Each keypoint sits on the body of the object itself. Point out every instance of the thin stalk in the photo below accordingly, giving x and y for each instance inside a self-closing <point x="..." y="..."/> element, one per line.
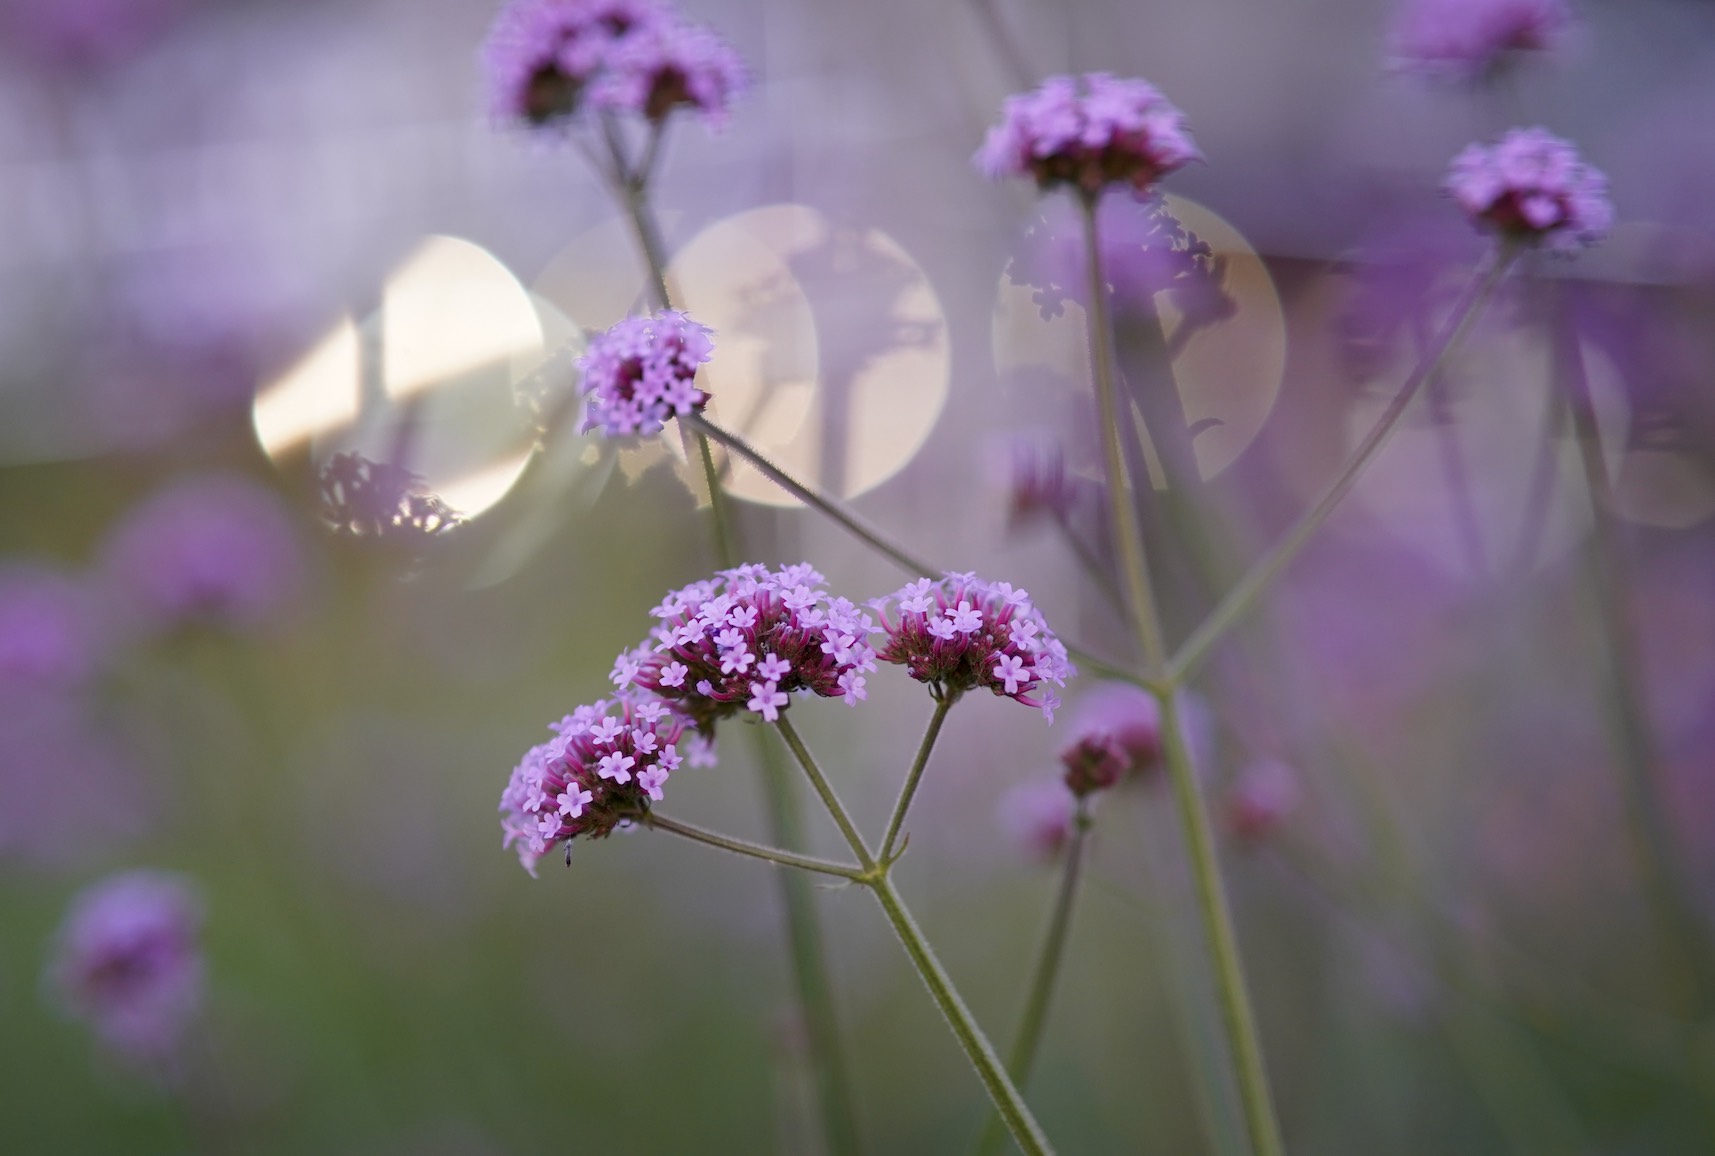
<point x="1243" y="596"/>
<point x="1026" y="1132"/>
<point x="821" y="503"/>
<point x="909" y="790"/>
<point x="1128" y="541"/>
<point x="1544" y="471"/>
<point x="660" y="822"/>
<point x="1045" y="972"/>
<point x="1237" y="1018"/>
<point x="1465" y="520"/>
<point x="809" y="959"/>
<point x="836" y="809"/>
<point x="1640" y="763"/>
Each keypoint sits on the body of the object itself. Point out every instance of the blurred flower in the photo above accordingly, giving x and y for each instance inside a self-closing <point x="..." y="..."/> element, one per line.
<point x="1117" y="131"/>
<point x="49" y="636"/>
<point x="1261" y="798"/>
<point x="598" y="771"/>
<point x="1122" y="716"/>
<point x="1532" y="186"/>
<point x="1093" y="763"/>
<point x="1473" y="39"/>
<point x="962" y="633"/>
<point x="1032" y="471"/>
<point x="543" y="57"/>
<point x="1038" y="816"/>
<point x="129" y="964"/>
<point x="642" y="372"/>
<point x="366" y="499"/>
<point x="748" y="637"/>
<point x="85" y="34"/>
<point x="212" y="548"/>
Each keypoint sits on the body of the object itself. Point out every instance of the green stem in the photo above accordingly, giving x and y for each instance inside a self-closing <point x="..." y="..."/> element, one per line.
<point x="1243" y="596"/>
<point x="1674" y="911"/>
<point x="1237" y="1018"/>
<point x="660" y="822"/>
<point x="1026" y="1132"/>
<point x="809" y="959"/>
<point x="1046" y="971"/>
<point x="720" y="517"/>
<point x="1128" y="541"/>
<point x="909" y="790"/>
<point x="836" y="809"/>
<point x="829" y="507"/>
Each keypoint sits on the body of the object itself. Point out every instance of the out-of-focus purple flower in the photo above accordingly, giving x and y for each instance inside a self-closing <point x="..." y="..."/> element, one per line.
<point x="746" y="639"/>
<point x="1115" y="131"/>
<point x="1119" y="717"/>
<point x="366" y="499"/>
<point x="1532" y="186"/>
<point x="962" y="633"/>
<point x="50" y="637"/>
<point x="599" y="770"/>
<point x="129" y="964"/>
<point x="1032" y="472"/>
<point x="1261" y="798"/>
<point x="83" y="34"/>
<point x="1038" y="816"/>
<point x="669" y="62"/>
<point x="1473" y="39"/>
<point x="642" y="372"/>
<point x="545" y="57"/>
<point x="214" y="548"/>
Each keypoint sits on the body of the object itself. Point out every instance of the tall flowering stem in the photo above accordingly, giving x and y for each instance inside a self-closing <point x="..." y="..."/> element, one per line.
<point x="1026" y="1132"/>
<point x="1046" y="970"/>
<point x="915" y="775"/>
<point x="660" y="822"/>
<point x="1245" y="594"/>
<point x="1236" y="1015"/>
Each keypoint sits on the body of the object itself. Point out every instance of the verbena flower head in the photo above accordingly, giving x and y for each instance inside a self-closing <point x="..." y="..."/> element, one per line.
<point x="1473" y="39"/>
<point x="1038" y="816"/>
<point x="1100" y="131"/>
<point x="1532" y="186"/>
<point x="748" y="638"/>
<point x="962" y="633"/>
<point x="49" y="639"/>
<point x="642" y="372"/>
<point x="128" y="961"/>
<point x="1117" y="729"/>
<point x="1032" y="472"/>
<point x="212" y="548"/>
<point x="547" y="60"/>
<point x="665" y="63"/>
<point x="605" y="765"/>
<point x="1261" y="798"/>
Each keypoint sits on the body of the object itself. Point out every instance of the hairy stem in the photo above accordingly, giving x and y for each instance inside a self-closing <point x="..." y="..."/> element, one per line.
<point x="1243" y="596"/>
<point x="660" y="822"/>
<point x="909" y="790"/>
<point x="1045" y="972"/>
<point x="836" y="809"/>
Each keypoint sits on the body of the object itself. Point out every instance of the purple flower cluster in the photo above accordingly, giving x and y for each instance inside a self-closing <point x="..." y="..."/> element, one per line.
<point x="48" y="637"/>
<point x="1471" y="39"/>
<point x="548" y="59"/>
<point x="1118" y="734"/>
<point x="128" y="962"/>
<point x="642" y="372"/>
<point x="1261" y="798"/>
<point x="746" y="639"/>
<point x="1116" y="131"/>
<point x="1033" y="473"/>
<point x="214" y="548"/>
<point x="1532" y="186"/>
<point x="599" y="770"/>
<point x="962" y="633"/>
<point x="1037" y="817"/>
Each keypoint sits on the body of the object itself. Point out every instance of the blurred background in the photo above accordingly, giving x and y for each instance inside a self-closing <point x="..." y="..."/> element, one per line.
<point x="248" y="246"/>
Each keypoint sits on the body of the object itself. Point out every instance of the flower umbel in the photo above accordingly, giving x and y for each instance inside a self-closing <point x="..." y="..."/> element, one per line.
<point x="1473" y="39"/>
<point x="599" y="770"/>
<point x="642" y="372"/>
<point x="746" y="639"/>
<point x="1532" y="186"/>
<point x="1114" y="131"/>
<point x="667" y="62"/>
<point x="962" y="633"/>
<point x="128" y="962"/>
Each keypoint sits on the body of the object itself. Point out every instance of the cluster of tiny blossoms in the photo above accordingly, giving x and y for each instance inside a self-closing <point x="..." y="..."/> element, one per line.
<point x="746" y="639"/>
<point x="547" y="60"/>
<point x="1472" y="39"/>
<point x="1117" y="131"/>
<point x="1532" y="186"/>
<point x="962" y="633"/>
<point x="642" y="372"/>
<point x="599" y="770"/>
